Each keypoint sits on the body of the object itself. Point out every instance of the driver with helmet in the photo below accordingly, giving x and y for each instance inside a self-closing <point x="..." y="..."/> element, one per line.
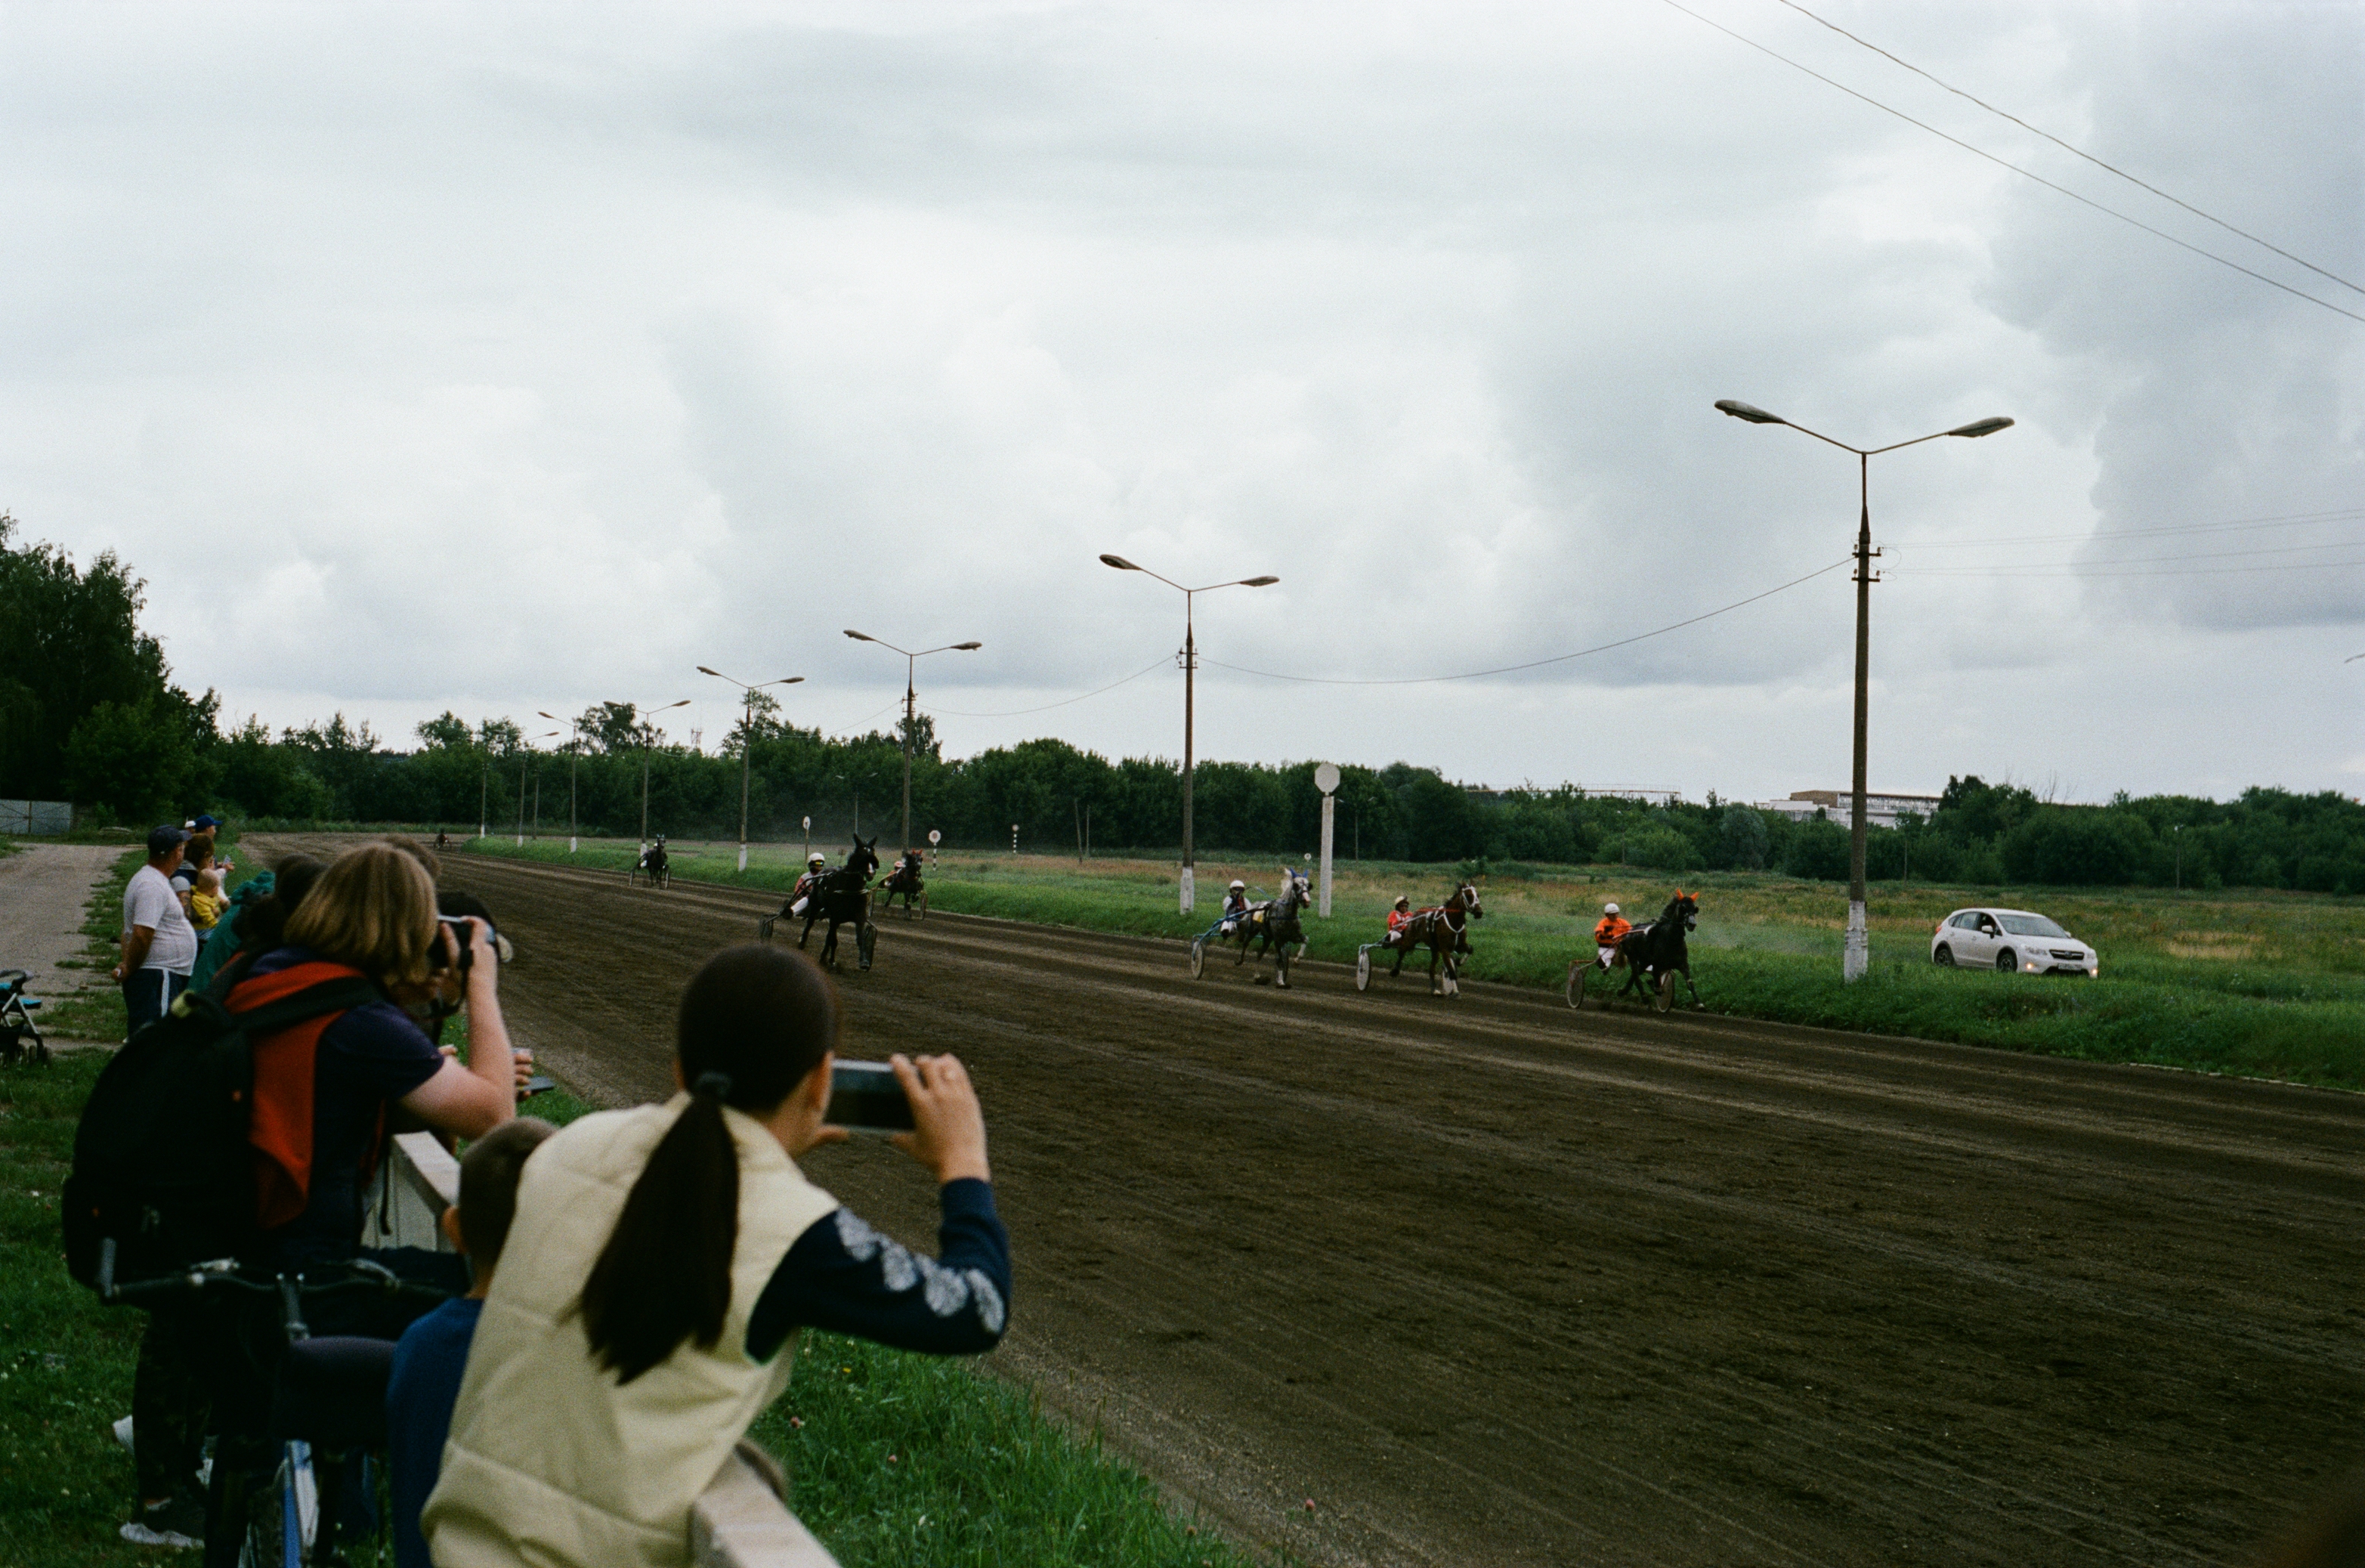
<point x="808" y="885"/>
<point x="1399" y="916"/>
<point x="1236" y="905"/>
<point x="1612" y="931"/>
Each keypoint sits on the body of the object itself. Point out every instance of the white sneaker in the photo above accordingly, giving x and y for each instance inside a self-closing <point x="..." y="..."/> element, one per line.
<point x="123" y="1434"/>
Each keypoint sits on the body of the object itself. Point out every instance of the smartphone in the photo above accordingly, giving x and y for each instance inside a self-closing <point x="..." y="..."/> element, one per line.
<point x="867" y="1097"/>
<point x="537" y="1085"/>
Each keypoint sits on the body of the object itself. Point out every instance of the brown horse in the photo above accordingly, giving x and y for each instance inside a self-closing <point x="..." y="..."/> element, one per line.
<point x="1444" y="930"/>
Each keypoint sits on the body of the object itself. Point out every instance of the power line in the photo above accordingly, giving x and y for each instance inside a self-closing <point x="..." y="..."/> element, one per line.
<point x="1013" y="712"/>
<point x="1536" y="663"/>
<point x="2197" y="555"/>
<point x="2079" y="151"/>
<point x="2295" y="519"/>
<point x="2066" y="571"/>
<point x="2005" y="163"/>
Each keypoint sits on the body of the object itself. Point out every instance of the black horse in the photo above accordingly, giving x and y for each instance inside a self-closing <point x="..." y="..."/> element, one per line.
<point x="905" y="880"/>
<point x="841" y="897"/>
<point x="654" y="864"/>
<point x="1656" y="953"/>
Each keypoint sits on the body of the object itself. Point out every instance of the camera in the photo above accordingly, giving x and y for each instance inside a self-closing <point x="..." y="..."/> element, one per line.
<point x="867" y="1097"/>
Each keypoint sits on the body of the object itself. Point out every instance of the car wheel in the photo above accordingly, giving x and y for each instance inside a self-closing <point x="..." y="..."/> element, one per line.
<point x="2006" y="962"/>
<point x="1944" y="958"/>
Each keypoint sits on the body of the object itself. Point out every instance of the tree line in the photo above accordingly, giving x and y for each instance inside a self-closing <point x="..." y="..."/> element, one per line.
<point x="89" y="713"/>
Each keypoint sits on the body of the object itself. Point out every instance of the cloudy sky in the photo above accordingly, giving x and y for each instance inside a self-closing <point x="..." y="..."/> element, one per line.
<point x="502" y="358"/>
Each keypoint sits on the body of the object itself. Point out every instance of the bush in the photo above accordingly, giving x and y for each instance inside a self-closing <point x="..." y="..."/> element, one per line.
<point x="1819" y="850"/>
<point x="1661" y="848"/>
<point x="1742" y="839"/>
<point x="2066" y="846"/>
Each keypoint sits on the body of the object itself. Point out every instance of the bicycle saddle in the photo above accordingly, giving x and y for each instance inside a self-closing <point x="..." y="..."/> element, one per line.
<point x="332" y="1393"/>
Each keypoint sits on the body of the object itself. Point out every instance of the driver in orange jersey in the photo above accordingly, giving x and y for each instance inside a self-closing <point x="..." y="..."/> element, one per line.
<point x="1399" y="916"/>
<point x="1612" y="931"/>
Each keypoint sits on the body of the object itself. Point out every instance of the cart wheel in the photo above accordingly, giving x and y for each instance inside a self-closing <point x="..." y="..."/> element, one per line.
<point x="1577" y="984"/>
<point x="764" y="927"/>
<point x="1363" y="968"/>
<point x="1198" y="955"/>
<point x="865" y="942"/>
<point x="1667" y="990"/>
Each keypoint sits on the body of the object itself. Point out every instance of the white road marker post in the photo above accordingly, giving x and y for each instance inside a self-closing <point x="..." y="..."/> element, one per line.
<point x="936" y="836"/>
<point x="1325" y="778"/>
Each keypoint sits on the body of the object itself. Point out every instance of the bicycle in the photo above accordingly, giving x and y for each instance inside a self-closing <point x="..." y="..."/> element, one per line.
<point x="21" y="1036"/>
<point x="325" y="1421"/>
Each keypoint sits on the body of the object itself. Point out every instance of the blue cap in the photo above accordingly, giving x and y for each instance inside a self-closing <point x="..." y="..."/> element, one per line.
<point x="205" y="822"/>
<point x="164" y="839"/>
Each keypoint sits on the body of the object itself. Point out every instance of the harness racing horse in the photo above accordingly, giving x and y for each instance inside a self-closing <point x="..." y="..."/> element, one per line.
<point x="906" y="880"/>
<point x="1652" y="954"/>
<point x="1272" y="926"/>
<point x="654" y="864"/>
<point x="1444" y="930"/>
<point x="841" y="898"/>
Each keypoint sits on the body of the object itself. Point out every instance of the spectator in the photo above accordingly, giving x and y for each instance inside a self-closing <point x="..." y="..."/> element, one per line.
<point x="199" y="884"/>
<point x="158" y="944"/>
<point x="434" y="1351"/>
<point x="256" y="917"/>
<point x="373" y="911"/>
<point x="663" y="1260"/>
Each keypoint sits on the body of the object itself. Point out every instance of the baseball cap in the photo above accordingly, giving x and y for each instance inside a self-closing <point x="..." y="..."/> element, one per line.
<point x="205" y="822"/>
<point x="164" y="839"/>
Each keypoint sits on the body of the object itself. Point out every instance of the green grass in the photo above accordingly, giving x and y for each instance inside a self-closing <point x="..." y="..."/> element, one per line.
<point x="65" y="1361"/>
<point x="2245" y="982"/>
<point x="977" y="1474"/>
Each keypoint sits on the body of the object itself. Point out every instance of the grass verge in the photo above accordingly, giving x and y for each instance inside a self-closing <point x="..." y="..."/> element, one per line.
<point x="2252" y="984"/>
<point x="896" y="1458"/>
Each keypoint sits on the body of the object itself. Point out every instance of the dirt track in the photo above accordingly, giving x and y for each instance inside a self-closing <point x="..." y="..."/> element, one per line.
<point x="1491" y="1282"/>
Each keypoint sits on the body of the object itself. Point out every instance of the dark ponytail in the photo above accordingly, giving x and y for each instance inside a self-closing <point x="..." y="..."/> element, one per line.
<point x="754" y="1023"/>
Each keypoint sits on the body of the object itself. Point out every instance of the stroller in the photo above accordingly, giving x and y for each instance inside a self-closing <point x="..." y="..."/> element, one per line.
<point x="20" y="1037"/>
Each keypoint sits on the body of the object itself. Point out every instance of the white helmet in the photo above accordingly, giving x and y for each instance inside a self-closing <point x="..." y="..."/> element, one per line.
<point x="1609" y="909"/>
<point x="816" y="859"/>
<point x="1237" y="886"/>
<point x="1404" y="900"/>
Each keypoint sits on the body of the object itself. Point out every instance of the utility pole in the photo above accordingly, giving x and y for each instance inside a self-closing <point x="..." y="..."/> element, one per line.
<point x="911" y="711"/>
<point x="1325" y="778"/>
<point x="1856" y="958"/>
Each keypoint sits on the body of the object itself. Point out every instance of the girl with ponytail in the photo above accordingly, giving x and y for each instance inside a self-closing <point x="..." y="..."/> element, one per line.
<point x="663" y="1260"/>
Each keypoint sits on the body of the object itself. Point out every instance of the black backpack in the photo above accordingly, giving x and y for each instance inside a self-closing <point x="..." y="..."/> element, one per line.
<point x="161" y="1165"/>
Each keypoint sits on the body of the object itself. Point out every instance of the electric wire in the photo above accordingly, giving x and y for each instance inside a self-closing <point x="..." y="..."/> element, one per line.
<point x="1535" y="664"/>
<point x="2104" y="571"/>
<point x="2297" y="520"/>
<point x="2158" y="560"/>
<point x="2006" y="163"/>
<point x="2078" y="151"/>
<point x="1013" y="712"/>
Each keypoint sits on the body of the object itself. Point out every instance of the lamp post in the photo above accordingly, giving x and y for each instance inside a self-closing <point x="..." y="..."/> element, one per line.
<point x="574" y="754"/>
<point x="1190" y="674"/>
<point x="525" y="757"/>
<point x="911" y="661"/>
<point x="1857" y="955"/>
<point x="648" y="739"/>
<point x="748" y="742"/>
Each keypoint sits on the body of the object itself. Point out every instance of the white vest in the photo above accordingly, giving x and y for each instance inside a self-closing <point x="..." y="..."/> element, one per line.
<point x="550" y="1462"/>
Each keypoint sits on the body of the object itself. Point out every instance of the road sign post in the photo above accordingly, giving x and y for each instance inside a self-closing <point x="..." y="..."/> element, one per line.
<point x="936" y="836"/>
<point x="1325" y="778"/>
<point x="806" y="858"/>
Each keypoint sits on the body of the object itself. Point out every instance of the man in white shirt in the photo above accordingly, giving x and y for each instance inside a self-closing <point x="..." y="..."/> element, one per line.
<point x="160" y="946"/>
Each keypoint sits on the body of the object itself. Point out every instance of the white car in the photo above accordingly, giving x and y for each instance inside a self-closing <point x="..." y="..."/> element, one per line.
<point x="2016" y="941"/>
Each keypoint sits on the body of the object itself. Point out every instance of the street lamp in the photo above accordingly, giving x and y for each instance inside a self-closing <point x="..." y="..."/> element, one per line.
<point x="1190" y="671"/>
<point x="648" y="739"/>
<point x="748" y="742"/>
<point x="574" y="754"/>
<point x="1857" y="955"/>
<point x="525" y="756"/>
<point x="910" y="661"/>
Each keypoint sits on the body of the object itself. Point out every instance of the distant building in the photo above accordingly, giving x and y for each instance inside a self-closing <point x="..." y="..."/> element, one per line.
<point x="1879" y="811"/>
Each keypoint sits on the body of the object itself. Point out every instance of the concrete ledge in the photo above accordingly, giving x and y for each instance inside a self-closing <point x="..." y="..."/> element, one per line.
<point x="742" y="1523"/>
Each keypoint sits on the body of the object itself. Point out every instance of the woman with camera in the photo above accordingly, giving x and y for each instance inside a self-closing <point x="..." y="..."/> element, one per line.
<point x="323" y="1091"/>
<point x="662" y="1260"/>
